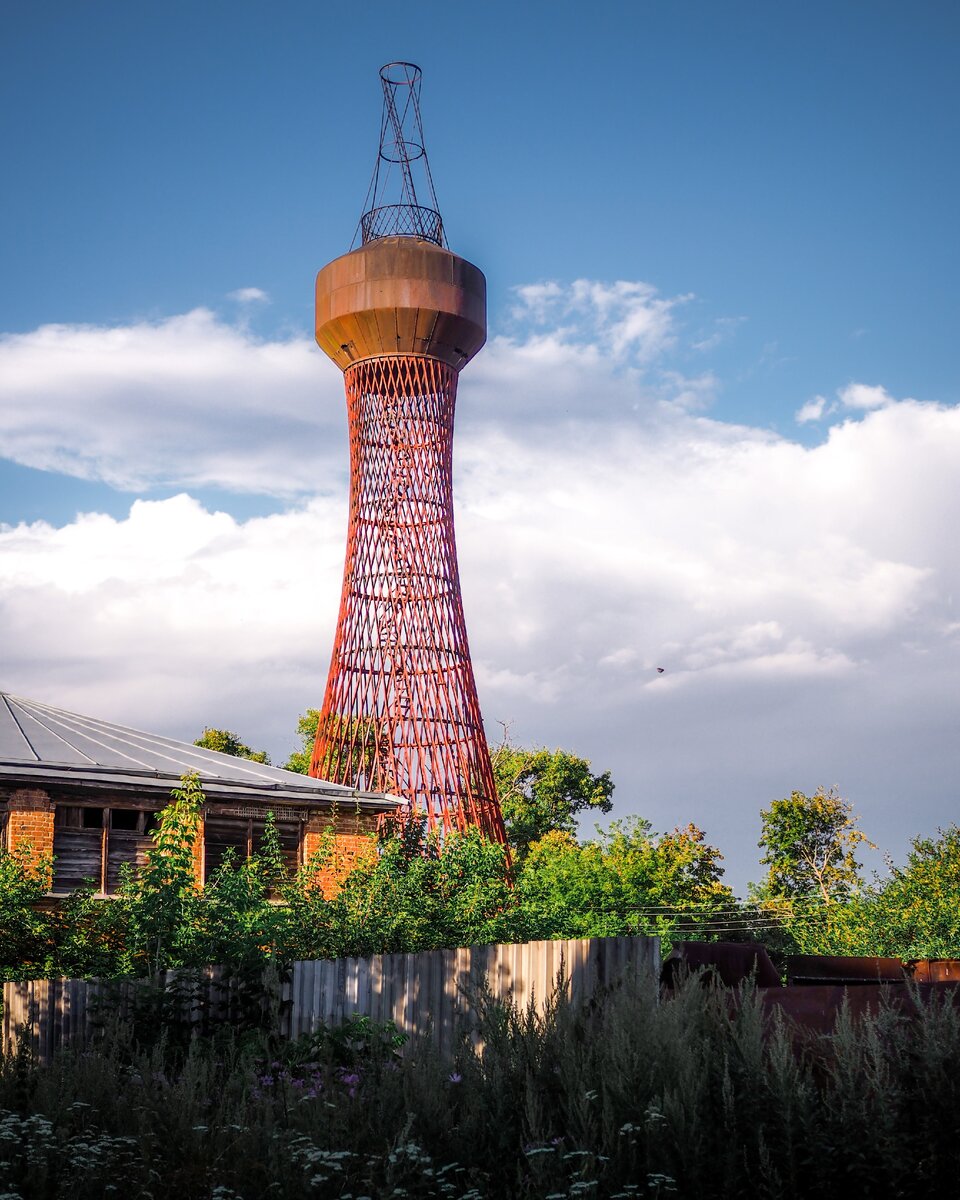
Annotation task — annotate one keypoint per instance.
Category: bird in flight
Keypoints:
(659, 670)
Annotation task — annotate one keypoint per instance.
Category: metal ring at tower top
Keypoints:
(411, 73)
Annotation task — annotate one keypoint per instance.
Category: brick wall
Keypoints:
(30, 822)
(353, 836)
(198, 854)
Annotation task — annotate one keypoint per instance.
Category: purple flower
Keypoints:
(455, 1077)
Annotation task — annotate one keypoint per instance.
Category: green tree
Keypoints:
(915, 911)
(810, 844)
(225, 742)
(542, 791)
(299, 760)
(626, 880)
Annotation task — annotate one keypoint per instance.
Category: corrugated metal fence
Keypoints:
(433, 994)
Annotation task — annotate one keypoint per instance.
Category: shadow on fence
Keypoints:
(428, 995)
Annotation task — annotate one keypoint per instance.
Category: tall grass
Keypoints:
(692, 1097)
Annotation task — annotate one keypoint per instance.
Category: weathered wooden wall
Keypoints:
(431, 994)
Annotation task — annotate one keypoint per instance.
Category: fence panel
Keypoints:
(432, 994)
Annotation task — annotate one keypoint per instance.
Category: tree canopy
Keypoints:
(810, 844)
(544, 791)
(627, 879)
(226, 742)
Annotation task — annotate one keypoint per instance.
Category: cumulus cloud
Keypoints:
(194, 400)
(800, 598)
(188, 400)
(796, 599)
(862, 395)
(625, 318)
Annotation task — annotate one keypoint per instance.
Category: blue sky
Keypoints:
(791, 164)
(697, 221)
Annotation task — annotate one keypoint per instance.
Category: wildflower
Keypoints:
(455, 1077)
(658, 1183)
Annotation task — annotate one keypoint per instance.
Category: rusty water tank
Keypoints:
(401, 295)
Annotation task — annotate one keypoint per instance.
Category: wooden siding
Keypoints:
(431, 994)
(79, 855)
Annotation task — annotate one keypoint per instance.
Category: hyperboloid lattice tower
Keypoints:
(400, 315)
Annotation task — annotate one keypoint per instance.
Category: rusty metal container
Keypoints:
(812, 970)
(401, 295)
(730, 963)
(935, 970)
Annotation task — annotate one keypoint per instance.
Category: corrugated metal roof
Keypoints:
(39, 742)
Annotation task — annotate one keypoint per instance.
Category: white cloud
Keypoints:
(195, 401)
(188, 400)
(626, 319)
(537, 299)
(812, 410)
(801, 599)
(249, 295)
(862, 395)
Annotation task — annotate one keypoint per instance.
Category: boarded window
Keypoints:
(245, 835)
(127, 846)
(92, 844)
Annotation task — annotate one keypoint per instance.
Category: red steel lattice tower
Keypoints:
(400, 316)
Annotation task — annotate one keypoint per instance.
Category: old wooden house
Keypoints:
(88, 792)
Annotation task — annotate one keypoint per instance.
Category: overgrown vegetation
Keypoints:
(414, 893)
(622, 1098)
(700, 1096)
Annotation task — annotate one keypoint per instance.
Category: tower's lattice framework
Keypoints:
(401, 315)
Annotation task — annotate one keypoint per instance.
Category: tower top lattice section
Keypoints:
(401, 200)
